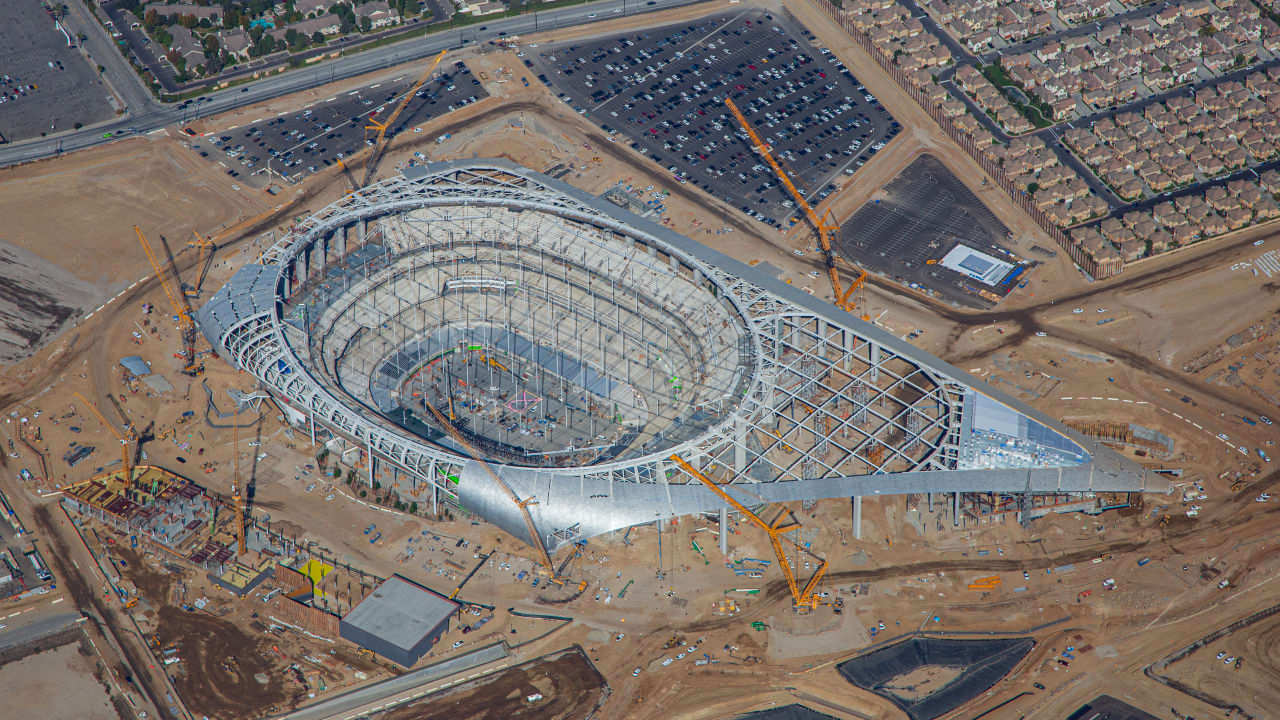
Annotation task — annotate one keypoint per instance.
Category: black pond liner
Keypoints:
(786, 712)
(984, 663)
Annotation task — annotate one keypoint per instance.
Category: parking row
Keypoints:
(295, 145)
(664, 91)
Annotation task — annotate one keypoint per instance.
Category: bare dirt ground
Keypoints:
(58, 683)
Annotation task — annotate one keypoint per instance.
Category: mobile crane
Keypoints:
(382, 141)
(127, 439)
(534, 538)
(803, 598)
(181, 308)
(206, 246)
(825, 225)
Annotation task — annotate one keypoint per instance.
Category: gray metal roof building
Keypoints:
(743, 376)
(400, 620)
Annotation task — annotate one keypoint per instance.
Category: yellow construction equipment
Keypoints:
(381, 141)
(351, 179)
(208, 245)
(181, 308)
(237, 496)
(986, 583)
(825, 225)
(534, 539)
(804, 598)
(127, 439)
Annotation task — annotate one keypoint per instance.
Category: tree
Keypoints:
(1032, 188)
(151, 19)
(366, 24)
(206, 23)
(348, 24)
(317, 38)
(188, 21)
(413, 508)
(211, 45)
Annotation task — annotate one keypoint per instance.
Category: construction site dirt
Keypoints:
(204, 643)
(560, 686)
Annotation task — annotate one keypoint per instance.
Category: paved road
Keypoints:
(397, 687)
(155, 116)
(101, 48)
(21, 631)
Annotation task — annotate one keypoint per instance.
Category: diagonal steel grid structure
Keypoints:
(757, 384)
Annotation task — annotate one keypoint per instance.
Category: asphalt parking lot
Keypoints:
(926, 213)
(296, 145)
(45, 86)
(663, 90)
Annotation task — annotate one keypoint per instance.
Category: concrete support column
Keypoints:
(873, 354)
(724, 531)
(955, 510)
(857, 516)
(371, 460)
(362, 228)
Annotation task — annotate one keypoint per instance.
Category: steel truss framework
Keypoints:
(828, 402)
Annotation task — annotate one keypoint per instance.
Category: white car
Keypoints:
(1041, 334)
(619, 637)
(1077, 311)
(1101, 310)
(457, 645)
(667, 662)
(635, 673)
(328, 498)
(1222, 655)
(1192, 513)
(1230, 659)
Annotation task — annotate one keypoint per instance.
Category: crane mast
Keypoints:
(825, 225)
(237, 495)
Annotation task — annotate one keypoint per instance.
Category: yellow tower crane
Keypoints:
(803, 598)
(127, 439)
(825, 225)
(181, 308)
(534, 538)
(382, 140)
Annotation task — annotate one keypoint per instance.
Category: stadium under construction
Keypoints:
(539, 356)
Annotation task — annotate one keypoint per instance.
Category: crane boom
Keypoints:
(825, 225)
(803, 597)
(178, 302)
(534, 537)
(126, 440)
(380, 144)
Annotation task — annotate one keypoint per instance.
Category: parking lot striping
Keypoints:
(1066, 398)
(679, 55)
(55, 602)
